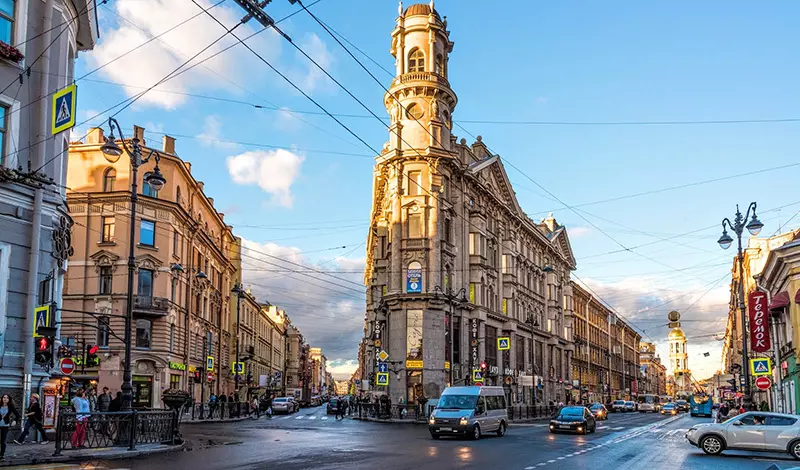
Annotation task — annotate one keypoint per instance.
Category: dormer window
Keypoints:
(416, 61)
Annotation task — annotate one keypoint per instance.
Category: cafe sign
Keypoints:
(759, 322)
(177, 366)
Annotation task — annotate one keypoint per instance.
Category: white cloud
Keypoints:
(155, 60)
(212, 134)
(274, 171)
(310, 78)
(576, 232)
(327, 308)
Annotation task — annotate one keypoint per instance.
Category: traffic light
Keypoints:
(483, 365)
(91, 355)
(44, 351)
(249, 378)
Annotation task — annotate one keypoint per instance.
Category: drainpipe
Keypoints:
(36, 159)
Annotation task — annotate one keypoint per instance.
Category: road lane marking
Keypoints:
(618, 428)
(541, 464)
(550, 461)
(602, 427)
(561, 458)
(324, 418)
(312, 417)
(299, 417)
(286, 417)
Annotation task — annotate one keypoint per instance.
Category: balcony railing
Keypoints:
(422, 77)
(151, 305)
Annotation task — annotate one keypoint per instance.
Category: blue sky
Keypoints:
(568, 62)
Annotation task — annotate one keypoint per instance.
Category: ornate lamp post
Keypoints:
(725, 241)
(156, 180)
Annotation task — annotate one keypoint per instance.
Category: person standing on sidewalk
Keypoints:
(81, 406)
(33, 418)
(104, 401)
(8, 415)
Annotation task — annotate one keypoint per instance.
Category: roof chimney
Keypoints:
(169, 145)
(138, 133)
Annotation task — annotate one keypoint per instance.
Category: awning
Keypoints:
(781, 300)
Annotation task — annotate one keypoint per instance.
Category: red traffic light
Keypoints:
(483, 364)
(42, 344)
(93, 349)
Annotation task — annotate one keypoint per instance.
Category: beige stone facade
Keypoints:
(653, 374)
(180, 316)
(453, 261)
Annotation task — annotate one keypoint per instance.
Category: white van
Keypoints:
(470, 411)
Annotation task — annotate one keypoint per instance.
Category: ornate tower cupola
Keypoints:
(420, 101)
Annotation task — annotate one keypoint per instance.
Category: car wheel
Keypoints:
(711, 445)
(794, 450)
(476, 432)
(501, 431)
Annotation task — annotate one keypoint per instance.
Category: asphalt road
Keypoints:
(311, 439)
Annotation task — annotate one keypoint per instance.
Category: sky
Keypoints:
(614, 116)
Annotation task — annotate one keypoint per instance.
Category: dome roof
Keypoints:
(420, 9)
(676, 333)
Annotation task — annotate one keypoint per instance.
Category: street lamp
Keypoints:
(112, 152)
(725, 241)
(461, 297)
(237, 289)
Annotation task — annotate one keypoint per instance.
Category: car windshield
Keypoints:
(571, 413)
(669, 406)
(681, 402)
(619, 402)
(281, 400)
(458, 402)
(629, 403)
(597, 406)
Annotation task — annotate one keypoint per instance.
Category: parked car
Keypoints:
(316, 401)
(669, 409)
(618, 406)
(753, 431)
(471, 411)
(630, 406)
(282, 405)
(333, 406)
(682, 406)
(599, 411)
(574, 419)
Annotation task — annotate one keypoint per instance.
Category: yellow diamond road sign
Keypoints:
(383, 355)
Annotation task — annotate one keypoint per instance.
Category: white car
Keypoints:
(754, 431)
(618, 406)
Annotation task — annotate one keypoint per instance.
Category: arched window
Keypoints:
(439, 64)
(109, 178)
(414, 112)
(416, 61)
(148, 190)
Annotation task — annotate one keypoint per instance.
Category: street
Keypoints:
(312, 439)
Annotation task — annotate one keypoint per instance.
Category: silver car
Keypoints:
(755, 431)
(282, 405)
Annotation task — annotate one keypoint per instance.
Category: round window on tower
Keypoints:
(414, 111)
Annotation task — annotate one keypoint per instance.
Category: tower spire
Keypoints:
(431, 6)
(400, 8)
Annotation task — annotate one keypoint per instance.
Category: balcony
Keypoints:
(148, 305)
(421, 77)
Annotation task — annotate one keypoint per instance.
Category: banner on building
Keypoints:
(759, 322)
(414, 281)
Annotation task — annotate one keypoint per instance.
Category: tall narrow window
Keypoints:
(448, 236)
(145, 286)
(147, 189)
(144, 330)
(416, 61)
(7, 21)
(456, 340)
(473, 243)
(175, 241)
(415, 225)
(109, 224)
(106, 280)
(102, 331)
(172, 337)
(3, 130)
(109, 179)
(174, 290)
(414, 184)
(439, 64)
(147, 233)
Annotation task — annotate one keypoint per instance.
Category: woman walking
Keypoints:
(33, 419)
(8, 416)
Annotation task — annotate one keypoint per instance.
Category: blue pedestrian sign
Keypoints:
(760, 366)
(477, 375)
(64, 109)
(278, 374)
(41, 317)
(209, 362)
(358, 382)
(383, 367)
(504, 343)
(382, 379)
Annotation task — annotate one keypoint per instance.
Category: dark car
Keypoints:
(599, 411)
(333, 405)
(573, 419)
(682, 406)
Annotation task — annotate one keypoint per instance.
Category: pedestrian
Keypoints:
(91, 395)
(104, 400)
(33, 418)
(741, 409)
(764, 406)
(254, 408)
(116, 403)
(8, 416)
(81, 406)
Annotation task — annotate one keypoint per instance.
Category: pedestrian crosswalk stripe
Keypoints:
(618, 428)
(602, 427)
(286, 417)
(312, 417)
(299, 417)
(324, 418)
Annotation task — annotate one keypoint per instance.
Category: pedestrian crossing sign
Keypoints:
(209, 362)
(477, 375)
(64, 108)
(237, 368)
(41, 317)
(504, 343)
(760, 366)
(382, 378)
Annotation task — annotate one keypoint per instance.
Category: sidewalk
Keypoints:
(33, 453)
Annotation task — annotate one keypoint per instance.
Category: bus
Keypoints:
(700, 405)
(648, 402)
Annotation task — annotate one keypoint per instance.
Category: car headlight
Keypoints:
(463, 421)
(432, 420)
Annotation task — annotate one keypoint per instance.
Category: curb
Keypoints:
(122, 454)
(208, 421)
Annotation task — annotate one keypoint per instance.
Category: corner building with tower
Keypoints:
(453, 261)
